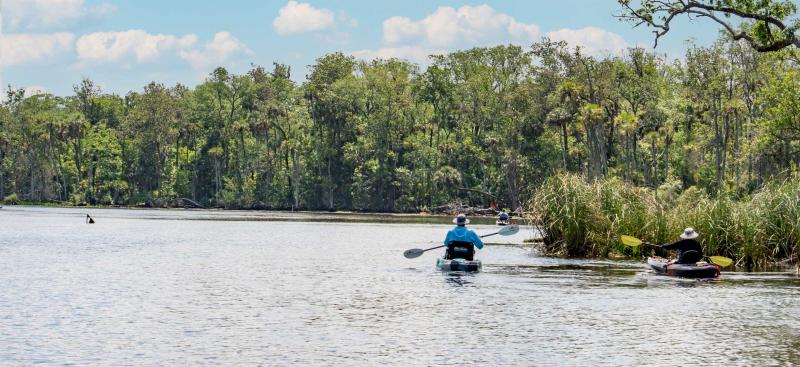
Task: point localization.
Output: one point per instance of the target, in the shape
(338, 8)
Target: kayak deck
(697, 270)
(458, 265)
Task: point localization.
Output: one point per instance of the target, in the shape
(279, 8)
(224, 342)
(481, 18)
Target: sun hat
(689, 233)
(461, 220)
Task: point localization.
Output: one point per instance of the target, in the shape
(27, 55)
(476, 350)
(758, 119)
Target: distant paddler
(89, 219)
(503, 218)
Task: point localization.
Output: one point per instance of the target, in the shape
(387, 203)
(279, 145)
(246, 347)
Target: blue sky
(123, 45)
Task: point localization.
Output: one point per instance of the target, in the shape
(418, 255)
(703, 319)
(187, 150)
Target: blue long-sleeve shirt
(463, 234)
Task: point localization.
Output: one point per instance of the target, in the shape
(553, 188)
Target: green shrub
(585, 219)
(11, 199)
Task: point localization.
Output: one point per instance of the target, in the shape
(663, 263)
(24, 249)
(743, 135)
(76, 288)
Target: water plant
(582, 218)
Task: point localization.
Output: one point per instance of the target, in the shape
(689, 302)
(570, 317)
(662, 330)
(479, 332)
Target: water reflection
(458, 279)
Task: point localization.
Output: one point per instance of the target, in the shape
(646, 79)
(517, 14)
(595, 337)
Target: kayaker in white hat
(460, 242)
(689, 249)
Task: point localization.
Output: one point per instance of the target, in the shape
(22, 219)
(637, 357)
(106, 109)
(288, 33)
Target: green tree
(767, 25)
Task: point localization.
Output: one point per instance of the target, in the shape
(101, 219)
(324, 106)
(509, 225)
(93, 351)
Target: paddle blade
(630, 241)
(508, 230)
(414, 252)
(722, 261)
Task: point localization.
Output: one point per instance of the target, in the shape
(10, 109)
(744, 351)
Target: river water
(160, 287)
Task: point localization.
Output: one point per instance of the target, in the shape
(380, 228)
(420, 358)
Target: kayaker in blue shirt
(460, 240)
(503, 218)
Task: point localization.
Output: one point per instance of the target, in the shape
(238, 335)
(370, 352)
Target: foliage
(768, 25)
(477, 127)
(582, 218)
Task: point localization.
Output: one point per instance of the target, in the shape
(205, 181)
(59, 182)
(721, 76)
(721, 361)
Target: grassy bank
(585, 219)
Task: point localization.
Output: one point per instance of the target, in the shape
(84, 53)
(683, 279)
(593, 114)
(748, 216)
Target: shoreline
(222, 209)
(222, 214)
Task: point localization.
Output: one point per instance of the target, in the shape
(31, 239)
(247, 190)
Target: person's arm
(447, 238)
(672, 246)
(476, 240)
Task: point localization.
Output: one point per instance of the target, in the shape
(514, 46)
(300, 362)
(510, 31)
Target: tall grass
(585, 219)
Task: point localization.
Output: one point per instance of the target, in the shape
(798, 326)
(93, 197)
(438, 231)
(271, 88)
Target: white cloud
(113, 46)
(298, 17)
(411, 53)
(25, 48)
(448, 26)
(593, 40)
(33, 90)
(396, 29)
(216, 52)
(45, 14)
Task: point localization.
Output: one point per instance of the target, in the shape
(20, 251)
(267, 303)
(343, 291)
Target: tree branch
(674, 8)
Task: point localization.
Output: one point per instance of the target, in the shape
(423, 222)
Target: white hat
(461, 220)
(689, 233)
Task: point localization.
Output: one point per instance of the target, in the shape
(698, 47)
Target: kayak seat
(689, 257)
(460, 250)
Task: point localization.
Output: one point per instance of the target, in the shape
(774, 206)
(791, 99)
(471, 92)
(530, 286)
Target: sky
(122, 45)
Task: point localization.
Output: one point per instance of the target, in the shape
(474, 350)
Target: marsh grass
(585, 219)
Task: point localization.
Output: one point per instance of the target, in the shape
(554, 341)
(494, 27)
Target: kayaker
(460, 242)
(688, 248)
(503, 216)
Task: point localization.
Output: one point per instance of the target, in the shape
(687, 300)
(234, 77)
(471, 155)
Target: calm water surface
(244, 288)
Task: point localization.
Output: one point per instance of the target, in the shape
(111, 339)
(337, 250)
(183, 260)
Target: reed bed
(579, 218)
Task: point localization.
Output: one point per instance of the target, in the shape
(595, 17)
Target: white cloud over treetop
(411, 53)
(48, 14)
(216, 52)
(592, 40)
(26, 48)
(114, 46)
(449, 28)
(33, 90)
(110, 47)
(296, 17)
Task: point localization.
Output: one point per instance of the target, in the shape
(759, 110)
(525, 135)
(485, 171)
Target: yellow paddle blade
(630, 241)
(722, 261)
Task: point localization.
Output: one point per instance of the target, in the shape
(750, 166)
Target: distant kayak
(698, 270)
(501, 222)
(458, 265)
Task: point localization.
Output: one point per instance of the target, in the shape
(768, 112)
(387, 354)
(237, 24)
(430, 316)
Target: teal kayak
(458, 265)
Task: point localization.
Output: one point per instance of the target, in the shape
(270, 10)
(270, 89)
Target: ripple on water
(132, 290)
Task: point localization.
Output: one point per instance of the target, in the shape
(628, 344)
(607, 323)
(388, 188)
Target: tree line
(477, 127)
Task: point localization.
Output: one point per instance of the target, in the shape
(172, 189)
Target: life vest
(460, 250)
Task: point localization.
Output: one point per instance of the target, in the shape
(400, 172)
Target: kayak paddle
(630, 241)
(633, 242)
(720, 260)
(505, 231)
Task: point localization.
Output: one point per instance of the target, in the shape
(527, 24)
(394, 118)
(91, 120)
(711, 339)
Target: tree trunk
(627, 157)
(330, 186)
(564, 148)
(295, 179)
